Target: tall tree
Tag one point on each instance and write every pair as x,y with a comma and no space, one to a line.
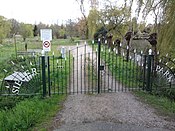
26,30
83,12
164,22
15,27
93,22
4,28
55,30
35,31
70,28
81,27
115,19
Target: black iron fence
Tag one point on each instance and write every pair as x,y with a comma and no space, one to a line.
93,68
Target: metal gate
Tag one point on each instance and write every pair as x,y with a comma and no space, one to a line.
88,69
96,68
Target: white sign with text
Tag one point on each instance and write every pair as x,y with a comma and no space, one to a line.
46,34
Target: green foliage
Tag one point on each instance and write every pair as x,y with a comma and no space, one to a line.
62,32
28,113
35,30
8,102
4,28
93,22
127,73
167,39
15,27
26,30
163,104
100,32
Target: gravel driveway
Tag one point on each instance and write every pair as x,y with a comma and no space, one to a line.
110,111
120,111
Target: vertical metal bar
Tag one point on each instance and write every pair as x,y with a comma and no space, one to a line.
65,74
112,68
105,67
153,68
148,82
141,69
73,75
137,74
92,67
127,50
130,73
88,71
109,67
40,72
133,75
61,74
81,74
119,72
53,72
99,50
48,64
115,73
100,71
43,76
126,78
77,69
123,70
104,77
96,82
57,77
69,73
85,69
144,72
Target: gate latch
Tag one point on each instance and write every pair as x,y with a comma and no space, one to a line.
101,67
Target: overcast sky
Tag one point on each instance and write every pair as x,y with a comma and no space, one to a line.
34,11
45,11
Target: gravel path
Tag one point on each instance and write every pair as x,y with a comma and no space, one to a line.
110,108
119,111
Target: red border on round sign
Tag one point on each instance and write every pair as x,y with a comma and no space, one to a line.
46,44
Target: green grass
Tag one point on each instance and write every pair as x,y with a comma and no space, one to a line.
162,104
127,73
30,113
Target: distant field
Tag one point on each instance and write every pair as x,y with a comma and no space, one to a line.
8,48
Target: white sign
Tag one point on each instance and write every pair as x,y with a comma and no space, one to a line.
63,52
46,45
166,73
46,34
19,78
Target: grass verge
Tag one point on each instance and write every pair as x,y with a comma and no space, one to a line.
162,104
30,113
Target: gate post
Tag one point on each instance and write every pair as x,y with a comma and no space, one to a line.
48,64
43,73
99,50
148,80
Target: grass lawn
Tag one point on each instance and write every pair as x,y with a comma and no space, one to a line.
162,104
22,113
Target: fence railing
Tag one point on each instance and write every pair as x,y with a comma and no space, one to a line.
104,68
